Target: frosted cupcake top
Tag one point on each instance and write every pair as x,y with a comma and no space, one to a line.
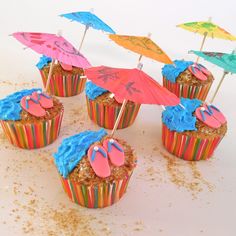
93,91
43,61
10,108
176,118
72,149
172,71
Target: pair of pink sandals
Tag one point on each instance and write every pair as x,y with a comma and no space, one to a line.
199,71
210,115
98,157
36,103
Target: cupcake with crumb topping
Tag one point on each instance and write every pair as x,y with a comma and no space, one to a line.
65,81
103,109
31,119
194,131
90,175
187,79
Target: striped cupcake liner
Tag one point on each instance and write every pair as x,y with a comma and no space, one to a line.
187,91
188,147
105,115
64,85
96,196
33,135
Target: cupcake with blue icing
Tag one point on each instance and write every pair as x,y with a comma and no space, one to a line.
30,118
66,80
103,108
187,79
94,168
194,130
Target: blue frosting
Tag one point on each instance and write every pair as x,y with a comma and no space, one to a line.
74,148
10,107
176,118
43,61
93,91
172,71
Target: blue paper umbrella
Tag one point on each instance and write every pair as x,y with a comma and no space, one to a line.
89,20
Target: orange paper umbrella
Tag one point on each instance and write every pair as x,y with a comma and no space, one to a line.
143,46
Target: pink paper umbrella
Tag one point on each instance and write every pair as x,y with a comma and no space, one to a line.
131,84
53,46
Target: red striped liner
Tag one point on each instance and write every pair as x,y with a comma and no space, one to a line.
105,115
33,135
64,85
187,91
188,147
96,196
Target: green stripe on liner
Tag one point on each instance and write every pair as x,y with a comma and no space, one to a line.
85,195
113,192
95,196
44,133
34,135
52,130
73,191
185,147
196,149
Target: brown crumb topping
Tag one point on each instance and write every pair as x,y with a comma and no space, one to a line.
186,77
50,114
105,99
84,174
57,69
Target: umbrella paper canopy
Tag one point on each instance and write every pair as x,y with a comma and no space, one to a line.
223,60
131,84
207,28
89,20
53,46
141,45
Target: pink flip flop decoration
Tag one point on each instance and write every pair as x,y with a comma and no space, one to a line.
44,100
197,72
207,118
216,113
203,69
99,161
66,67
32,106
115,152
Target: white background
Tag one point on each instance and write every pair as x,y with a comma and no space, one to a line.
159,205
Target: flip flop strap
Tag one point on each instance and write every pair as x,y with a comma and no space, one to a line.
212,106
43,94
203,115
27,102
115,145
99,150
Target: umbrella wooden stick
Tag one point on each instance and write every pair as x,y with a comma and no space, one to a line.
203,42
85,31
119,117
49,75
218,87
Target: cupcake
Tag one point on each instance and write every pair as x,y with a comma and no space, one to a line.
66,81
31,119
103,108
193,132
94,169
187,79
